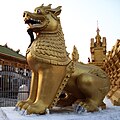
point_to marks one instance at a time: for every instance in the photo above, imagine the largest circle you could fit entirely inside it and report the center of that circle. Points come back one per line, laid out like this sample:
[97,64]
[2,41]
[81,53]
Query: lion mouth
[35,21]
[30,21]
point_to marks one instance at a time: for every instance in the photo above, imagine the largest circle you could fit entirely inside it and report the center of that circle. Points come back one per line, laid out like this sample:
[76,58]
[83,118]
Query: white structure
[22,94]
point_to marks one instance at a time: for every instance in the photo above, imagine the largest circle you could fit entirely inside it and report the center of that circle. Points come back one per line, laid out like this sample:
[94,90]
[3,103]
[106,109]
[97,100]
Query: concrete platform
[112,113]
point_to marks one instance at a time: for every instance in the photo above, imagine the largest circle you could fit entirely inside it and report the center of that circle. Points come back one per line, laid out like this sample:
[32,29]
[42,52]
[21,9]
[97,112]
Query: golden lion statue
[57,79]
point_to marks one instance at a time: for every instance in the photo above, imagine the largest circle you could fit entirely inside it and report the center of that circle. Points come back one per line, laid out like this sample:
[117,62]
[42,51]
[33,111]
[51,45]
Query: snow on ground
[111,113]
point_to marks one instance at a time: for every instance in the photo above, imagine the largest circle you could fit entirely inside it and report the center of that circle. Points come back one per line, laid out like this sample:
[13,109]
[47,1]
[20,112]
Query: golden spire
[97,29]
[98,37]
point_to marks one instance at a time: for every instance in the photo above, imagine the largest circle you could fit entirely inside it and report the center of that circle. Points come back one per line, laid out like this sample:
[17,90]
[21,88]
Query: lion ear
[55,11]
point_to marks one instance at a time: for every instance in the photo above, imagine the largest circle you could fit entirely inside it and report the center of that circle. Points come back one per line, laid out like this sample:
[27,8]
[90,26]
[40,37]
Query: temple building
[109,62]
[112,67]
[98,50]
[14,71]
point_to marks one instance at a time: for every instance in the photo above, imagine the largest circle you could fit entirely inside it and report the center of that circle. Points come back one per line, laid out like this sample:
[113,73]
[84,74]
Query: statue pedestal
[113,112]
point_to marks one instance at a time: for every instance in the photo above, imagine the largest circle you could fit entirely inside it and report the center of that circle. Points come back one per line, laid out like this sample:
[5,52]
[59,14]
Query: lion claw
[79,109]
[47,111]
[22,111]
[16,108]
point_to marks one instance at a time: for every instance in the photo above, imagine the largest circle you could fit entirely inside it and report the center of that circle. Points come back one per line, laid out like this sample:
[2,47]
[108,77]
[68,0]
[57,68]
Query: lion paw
[23,104]
[36,108]
[85,107]
[19,105]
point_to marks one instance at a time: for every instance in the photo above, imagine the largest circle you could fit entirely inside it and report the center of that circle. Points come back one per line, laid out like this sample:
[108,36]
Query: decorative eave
[7,52]
[11,58]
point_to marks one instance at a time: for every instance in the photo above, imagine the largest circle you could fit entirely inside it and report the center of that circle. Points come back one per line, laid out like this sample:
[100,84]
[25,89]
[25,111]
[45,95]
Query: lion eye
[38,11]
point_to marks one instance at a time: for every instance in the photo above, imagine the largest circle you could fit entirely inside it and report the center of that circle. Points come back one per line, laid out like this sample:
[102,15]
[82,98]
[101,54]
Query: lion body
[54,72]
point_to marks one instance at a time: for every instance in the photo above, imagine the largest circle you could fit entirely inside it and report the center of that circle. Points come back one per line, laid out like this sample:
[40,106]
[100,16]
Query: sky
[78,18]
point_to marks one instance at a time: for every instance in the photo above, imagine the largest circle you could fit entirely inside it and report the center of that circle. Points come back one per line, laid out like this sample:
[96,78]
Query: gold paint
[53,71]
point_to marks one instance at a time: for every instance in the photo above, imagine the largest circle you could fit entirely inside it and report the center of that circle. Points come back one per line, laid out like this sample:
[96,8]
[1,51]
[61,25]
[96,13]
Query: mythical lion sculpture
[54,73]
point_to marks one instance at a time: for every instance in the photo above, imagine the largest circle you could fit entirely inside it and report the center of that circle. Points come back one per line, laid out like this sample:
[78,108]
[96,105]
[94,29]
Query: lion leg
[33,91]
[90,86]
[50,79]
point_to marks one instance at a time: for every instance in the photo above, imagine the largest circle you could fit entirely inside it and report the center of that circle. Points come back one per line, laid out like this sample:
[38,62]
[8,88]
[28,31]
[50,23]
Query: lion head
[44,18]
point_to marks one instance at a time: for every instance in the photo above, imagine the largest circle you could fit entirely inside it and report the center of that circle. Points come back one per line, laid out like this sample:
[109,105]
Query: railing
[13,87]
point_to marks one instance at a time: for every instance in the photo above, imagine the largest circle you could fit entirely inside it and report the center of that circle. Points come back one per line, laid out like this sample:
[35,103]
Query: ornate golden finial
[97,23]
[75,55]
[98,37]
[97,29]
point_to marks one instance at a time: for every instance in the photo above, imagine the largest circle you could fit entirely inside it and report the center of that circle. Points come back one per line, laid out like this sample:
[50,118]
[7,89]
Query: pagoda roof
[5,50]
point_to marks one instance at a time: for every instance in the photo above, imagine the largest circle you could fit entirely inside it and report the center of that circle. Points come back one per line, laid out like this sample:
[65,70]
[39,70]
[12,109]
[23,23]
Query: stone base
[112,113]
